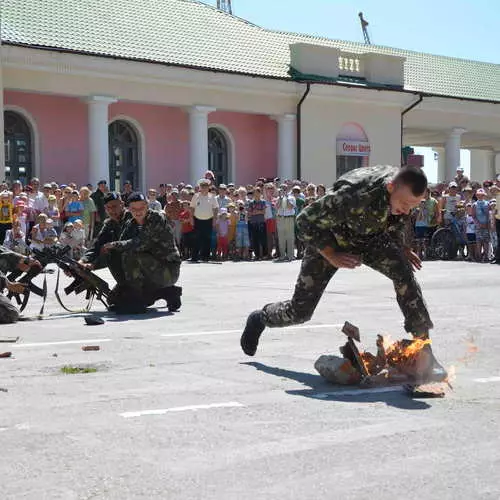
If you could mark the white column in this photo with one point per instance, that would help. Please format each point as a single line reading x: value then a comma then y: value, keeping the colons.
x: 98, y: 138
x: 441, y: 167
x: 492, y: 159
x: 287, y: 140
x: 453, y: 153
x: 482, y: 165
x: 2, y: 147
x: 198, y: 141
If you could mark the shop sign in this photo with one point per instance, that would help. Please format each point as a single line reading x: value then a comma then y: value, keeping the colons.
x: 353, y: 148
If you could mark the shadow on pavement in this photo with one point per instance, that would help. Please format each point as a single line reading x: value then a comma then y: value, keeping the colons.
x: 318, y: 385
x: 110, y: 316
x: 151, y: 313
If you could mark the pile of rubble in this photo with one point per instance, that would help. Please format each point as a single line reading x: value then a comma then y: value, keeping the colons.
x: 403, y: 362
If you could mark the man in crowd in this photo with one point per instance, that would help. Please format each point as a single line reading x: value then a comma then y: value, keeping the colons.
x: 98, y: 197
x: 495, y: 191
x: 286, y: 205
x: 361, y: 220
x: 127, y: 191
x: 204, y: 207
x: 10, y: 261
x: 162, y: 197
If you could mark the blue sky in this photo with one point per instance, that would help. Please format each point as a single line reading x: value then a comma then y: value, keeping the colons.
x: 458, y: 28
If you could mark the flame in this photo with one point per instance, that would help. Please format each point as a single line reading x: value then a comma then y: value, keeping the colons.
x: 401, y: 352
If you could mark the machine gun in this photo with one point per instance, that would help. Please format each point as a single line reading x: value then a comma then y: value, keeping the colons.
x: 83, y: 279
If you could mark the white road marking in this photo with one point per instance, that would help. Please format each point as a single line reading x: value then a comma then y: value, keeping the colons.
x: 358, y: 392
x: 222, y: 332
x: 132, y: 414
x: 63, y: 342
x: 487, y: 379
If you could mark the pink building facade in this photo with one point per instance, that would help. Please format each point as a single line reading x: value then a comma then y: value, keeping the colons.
x: 147, y: 144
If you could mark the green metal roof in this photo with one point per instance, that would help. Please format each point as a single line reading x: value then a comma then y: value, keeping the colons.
x: 192, y: 34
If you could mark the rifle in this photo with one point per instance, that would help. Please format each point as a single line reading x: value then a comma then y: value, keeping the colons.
x: 26, y: 278
x: 83, y: 279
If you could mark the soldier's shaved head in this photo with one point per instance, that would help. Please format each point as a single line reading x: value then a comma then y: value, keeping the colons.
x: 406, y: 190
x: 414, y: 178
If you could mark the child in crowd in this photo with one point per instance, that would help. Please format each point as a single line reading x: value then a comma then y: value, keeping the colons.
x: 6, y: 214
x: 421, y: 229
x: 242, y: 238
x: 222, y: 228
x: 52, y: 211
x: 42, y: 234
x: 74, y: 208
x: 69, y: 238
x: 231, y: 235
x: 15, y: 239
x: 482, y: 215
x: 187, y: 229
x: 470, y: 233
x: 79, y: 235
x: 21, y: 211
x: 153, y: 203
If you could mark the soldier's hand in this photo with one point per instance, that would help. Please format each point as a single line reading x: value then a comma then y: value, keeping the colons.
x: 86, y: 265
x: 15, y: 287
x: 27, y: 263
x: 108, y: 247
x: 413, y: 259
x: 341, y: 260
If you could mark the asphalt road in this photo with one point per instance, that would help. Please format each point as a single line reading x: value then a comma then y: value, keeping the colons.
x: 176, y: 411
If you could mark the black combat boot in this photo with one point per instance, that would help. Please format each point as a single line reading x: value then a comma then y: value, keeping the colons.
x: 126, y: 300
x: 172, y: 296
x: 251, y: 335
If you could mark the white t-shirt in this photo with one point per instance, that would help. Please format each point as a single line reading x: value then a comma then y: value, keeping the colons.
x: 41, y: 203
x: 204, y: 206
x: 471, y: 225
x: 283, y: 209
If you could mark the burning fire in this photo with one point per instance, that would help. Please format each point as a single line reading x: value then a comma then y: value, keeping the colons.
x: 395, y: 354
x: 404, y: 352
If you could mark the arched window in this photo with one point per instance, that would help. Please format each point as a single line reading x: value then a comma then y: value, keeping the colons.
x: 218, y: 155
x: 123, y: 155
x: 18, y: 147
x: 353, y: 148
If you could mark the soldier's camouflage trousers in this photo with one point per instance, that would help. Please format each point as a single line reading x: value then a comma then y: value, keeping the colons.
x: 382, y: 255
x: 142, y: 270
x: 8, y: 313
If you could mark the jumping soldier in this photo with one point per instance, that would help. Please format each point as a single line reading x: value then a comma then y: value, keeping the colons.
x: 359, y: 221
x: 10, y: 261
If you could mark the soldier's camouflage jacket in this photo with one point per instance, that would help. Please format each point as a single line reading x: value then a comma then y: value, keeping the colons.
x: 352, y: 213
x: 110, y: 231
x: 154, y: 237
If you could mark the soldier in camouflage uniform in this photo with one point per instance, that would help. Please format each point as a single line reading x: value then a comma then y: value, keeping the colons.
x: 135, y: 255
x: 10, y: 261
x: 360, y: 221
x: 111, y: 230
x: 148, y: 259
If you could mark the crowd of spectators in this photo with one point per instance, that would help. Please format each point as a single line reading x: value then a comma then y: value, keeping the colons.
x: 230, y: 222
x: 470, y: 208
